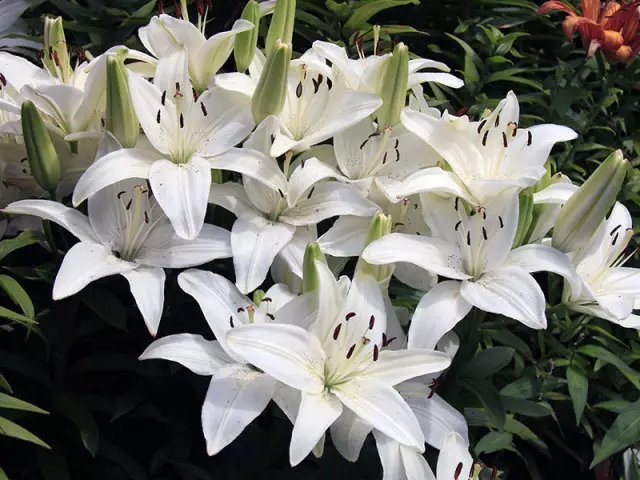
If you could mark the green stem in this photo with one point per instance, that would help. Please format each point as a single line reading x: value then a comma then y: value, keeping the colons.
x: 48, y: 233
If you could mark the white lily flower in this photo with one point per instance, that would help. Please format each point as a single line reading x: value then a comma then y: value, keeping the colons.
x: 473, y: 249
x: 365, y: 74
x: 125, y: 233
x: 493, y: 154
x: 238, y: 392
x: 609, y: 289
x: 277, y: 215
x: 166, y: 35
x: 315, y: 108
x: 339, y: 363
x: 185, y: 131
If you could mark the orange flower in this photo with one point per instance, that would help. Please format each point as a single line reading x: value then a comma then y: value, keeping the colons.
x: 614, y: 28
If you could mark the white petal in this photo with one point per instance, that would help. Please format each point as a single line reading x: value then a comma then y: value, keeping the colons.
x: 288, y: 400
x: 147, y: 288
x: 237, y: 395
x: 348, y: 434
x: 347, y: 236
x: 305, y: 176
x: 432, y: 179
x: 227, y: 122
x: 182, y: 191
x: 329, y: 199
x: 219, y: 300
x: 293, y: 252
x: 390, y: 457
x: 330, y: 300
x: 396, y: 366
x: 438, y: 311
x: 116, y: 166
x: 383, y: 408
x: 433, y: 254
x: 84, y: 263
x: 557, y: 193
x: 454, y: 452
x: 511, y: 292
x: 415, y: 465
x: 202, y: 357
x: 441, y: 78
x: 536, y: 258
x: 164, y: 248
x: 317, y: 412
x: 252, y: 164
x: 415, y: 277
x: 19, y: 71
x: 235, y: 82
x: 68, y: 218
x: 255, y: 243
x: 286, y: 352
x: 232, y: 197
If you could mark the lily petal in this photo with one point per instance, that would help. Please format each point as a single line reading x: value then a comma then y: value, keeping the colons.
x: 396, y: 366
x: 147, y: 288
x: 348, y: 434
x: 347, y: 236
x: 453, y: 453
x: 252, y: 164
x: 305, y: 176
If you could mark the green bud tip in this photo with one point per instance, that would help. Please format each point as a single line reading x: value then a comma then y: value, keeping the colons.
x: 282, y: 22
x: 394, y: 87
x: 309, y: 273
x: 120, y: 119
x: 245, y: 43
x: 269, y: 96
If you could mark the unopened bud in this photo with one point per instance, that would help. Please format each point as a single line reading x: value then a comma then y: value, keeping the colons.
x: 524, y: 217
x: 41, y: 155
x: 309, y: 271
x: 281, y: 26
x: 246, y: 42
x: 268, y: 98
x: 582, y: 214
x: 56, y: 55
x: 380, y: 226
x: 121, y: 119
x: 394, y: 87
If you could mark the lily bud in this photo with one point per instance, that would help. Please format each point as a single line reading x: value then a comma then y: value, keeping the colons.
x: 524, y: 218
x: 42, y: 156
x: 281, y: 26
x: 394, y: 87
x: 268, y: 98
x: 56, y: 55
x: 379, y: 227
x: 582, y: 214
x: 258, y: 296
x: 309, y: 272
x: 121, y: 119
x: 245, y: 43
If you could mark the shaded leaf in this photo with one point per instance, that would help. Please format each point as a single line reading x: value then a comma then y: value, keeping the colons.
x: 10, y: 429
x: 578, y: 385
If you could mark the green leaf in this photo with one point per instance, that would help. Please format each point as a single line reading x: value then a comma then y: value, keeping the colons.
x: 624, y: 432
x: 4, y: 384
x: 578, y: 385
x: 3, y: 476
x: 604, y: 355
x: 505, y: 74
x: 75, y: 411
x: 489, y: 398
x: 366, y: 9
x: 526, y: 407
x: 10, y: 429
x: 506, y: 337
x: 487, y: 362
x: 23, y: 240
x: 16, y: 317
x: 493, y: 441
x: 527, y: 387
x: 18, y: 295
x: 106, y: 305
x: 8, y: 401
x: 521, y: 430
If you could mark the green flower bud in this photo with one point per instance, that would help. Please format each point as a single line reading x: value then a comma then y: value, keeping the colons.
x: 524, y: 218
x: 245, y: 43
x: 56, y: 55
x: 121, y: 119
x: 258, y: 295
x: 42, y: 156
x: 394, y: 87
x: 380, y: 226
x: 268, y: 98
x: 309, y: 272
x: 281, y: 26
x: 583, y: 213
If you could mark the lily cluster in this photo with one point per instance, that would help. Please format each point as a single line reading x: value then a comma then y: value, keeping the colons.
x: 322, y: 159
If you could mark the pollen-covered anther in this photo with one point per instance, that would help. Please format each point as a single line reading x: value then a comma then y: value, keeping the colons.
x: 365, y: 340
x: 376, y: 352
x: 386, y: 341
x: 349, y: 316
x: 529, y: 138
x: 505, y: 143
x: 350, y: 351
x: 267, y: 299
x: 484, y: 138
x: 240, y: 309
x: 163, y: 99
x: 270, y: 316
x: 372, y: 322
x: 3, y: 80
x: 458, y: 471
x: 231, y: 321
x: 336, y: 331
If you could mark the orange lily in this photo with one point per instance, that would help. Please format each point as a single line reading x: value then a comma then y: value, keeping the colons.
x: 614, y: 28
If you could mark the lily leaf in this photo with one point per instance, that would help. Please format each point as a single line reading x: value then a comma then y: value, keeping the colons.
x: 624, y: 432
x: 578, y: 388
x: 10, y: 429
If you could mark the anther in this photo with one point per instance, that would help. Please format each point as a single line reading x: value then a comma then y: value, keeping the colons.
x: 468, y: 238
x: 329, y: 83
x: 203, y: 108
x: 146, y: 218
x: 501, y: 222
x: 615, y: 230
x: 120, y: 194
x: 336, y: 331
x: 311, y: 192
x: 387, y: 340
x: 376, y: 352
x: 484, y: 233
x: 129, y: 204
x: 231, y: 321
x: 240, y: 309
x: 497, y: 120
x: 397, y: 143
x: 181, y: 121
x: 481, y: 126
x: 529, y: 138
x: 267, y: 299
x: 281, y: 193
x: 195, y: 94
x: 299, y: 90
x: 615, y: 239
x: 158, y: 117
x: 458, y: 225
x: 384, y: 159
x: 458, y: 471
x: 164, y: 97
x: 349, y: 316
x: 484, y: 138
x: 271, y: 316
x: 397, y: 155
x: 504, y: 140
x: 3, y: 80
x: 350, y: 351
x: 372, y: 321
x: 177, y: 87
x: 456, y: 203
x: 494, y: 473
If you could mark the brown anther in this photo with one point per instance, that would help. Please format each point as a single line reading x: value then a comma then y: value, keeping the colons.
x: 457, y: 225
x: 299, y: 90
x: 204, y: 109
x: 505, y: 144
x: 501, y: 222
x: 181, y: 121
x: 336, y: 331
x: 615, y: 239
x: 349, y: 316
x: 231, y: 321
x: 458, y: 471
x: 497, y: 120
x: 481, y: 126
x: 146, y: 218
x: 433, y: 387
x: 365, y: 340
x: 484, y: 138
x: 494, y: 473
x: 376, y: 352
x: 484, y: 233
x: 468, y: 238
x: 281, y: 193
x: 240, y: 309
x: 350, y: 351
x: 311, y: 192
x: 129, y: 204
x: 120, y: 194
x: 614, y: 230
x: 397, y: 155
x: 456, y: 203
x: 163, y: 99
x: 372, y: 321
x: 529, y: 138
x: 56, y: 59
x: 267, y: 299
x: 3, y: 80
x: 329, y: 83
x: 271, y: 316
x: 158, y: 117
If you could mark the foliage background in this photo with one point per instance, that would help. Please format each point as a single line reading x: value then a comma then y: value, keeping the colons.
x: 539, y: 404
